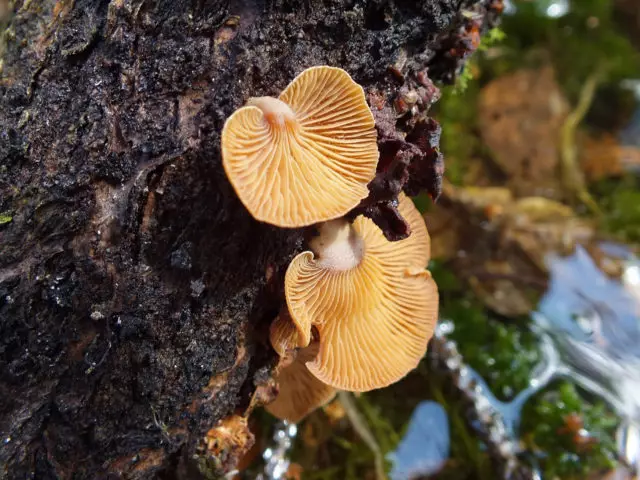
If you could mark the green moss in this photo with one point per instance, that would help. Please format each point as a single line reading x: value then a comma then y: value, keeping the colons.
x: 463, y: 80
x: 624, y: 217
x: 457, y: 113
x: 576, y: 44
x: 422, y: 202
x: 492, y: 37
x: 5, y: 218
x: 328, y: 451
x: 503, y: 354
x: 563, y: 453
x: 620, y: 201
x: 468, y: 457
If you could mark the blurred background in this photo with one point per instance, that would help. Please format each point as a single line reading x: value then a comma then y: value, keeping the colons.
x: 534, y: 371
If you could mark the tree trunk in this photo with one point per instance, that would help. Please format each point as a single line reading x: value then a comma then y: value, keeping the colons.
x: 135, y: 289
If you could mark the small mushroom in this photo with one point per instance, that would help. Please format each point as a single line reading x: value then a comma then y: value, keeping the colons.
x: 300, y: 392
x: 305, y: 157
x: 286, y: 337
x: 372, y: 302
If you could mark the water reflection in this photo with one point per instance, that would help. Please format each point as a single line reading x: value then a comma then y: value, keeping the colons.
x: 425, y: 447
x: 549, y: 8
x: 595, y: 324
x: 557, y: 9
x: 588, y: 326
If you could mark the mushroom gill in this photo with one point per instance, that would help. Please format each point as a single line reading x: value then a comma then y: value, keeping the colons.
x: 372, y: 301
x: 305, y: 157
x: 300, y: 392
x: 286, y: 337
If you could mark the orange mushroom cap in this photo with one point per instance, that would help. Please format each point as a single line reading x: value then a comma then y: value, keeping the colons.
x: 374, y: 319
x: 300, y: 392
x: 286, y: 336
x: 306, y: 157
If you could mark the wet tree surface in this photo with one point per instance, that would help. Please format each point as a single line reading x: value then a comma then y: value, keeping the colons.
x: 135, y: 289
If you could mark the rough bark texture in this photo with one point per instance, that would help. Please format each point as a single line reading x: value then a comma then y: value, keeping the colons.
x: 135, y: 289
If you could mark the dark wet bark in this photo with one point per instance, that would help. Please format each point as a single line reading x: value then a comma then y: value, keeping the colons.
x: 135, y: 289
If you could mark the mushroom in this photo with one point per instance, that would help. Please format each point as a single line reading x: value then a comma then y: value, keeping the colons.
x: 305, y: 157
x: 372, y: 302
x: 285, y: 337
x: 300, y: 392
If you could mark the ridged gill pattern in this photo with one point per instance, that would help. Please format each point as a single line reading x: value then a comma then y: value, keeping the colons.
x: 309, y: 169
x: 375, y: 320
x: 300, y: 392
x: 285, y: 335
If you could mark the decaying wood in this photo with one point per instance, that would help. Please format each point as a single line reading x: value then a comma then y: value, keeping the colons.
x: 135, y: 290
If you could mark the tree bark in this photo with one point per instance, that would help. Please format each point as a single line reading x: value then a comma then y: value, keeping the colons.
x: 135, y: 289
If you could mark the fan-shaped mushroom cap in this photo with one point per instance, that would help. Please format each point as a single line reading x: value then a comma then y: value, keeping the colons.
x: 300, y: 392
x: 285, y: 335
x: 306, y: 157
x: 374, y: 320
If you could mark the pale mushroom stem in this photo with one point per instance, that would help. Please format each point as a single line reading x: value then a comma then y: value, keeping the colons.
x: 276, y: 112
x: 338, y: 246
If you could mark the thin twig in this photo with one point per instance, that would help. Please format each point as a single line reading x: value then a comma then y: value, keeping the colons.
x: 572, y: 176
x: 359, y: 424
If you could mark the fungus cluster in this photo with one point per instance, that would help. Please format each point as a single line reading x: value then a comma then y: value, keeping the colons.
x: 360, y: 309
